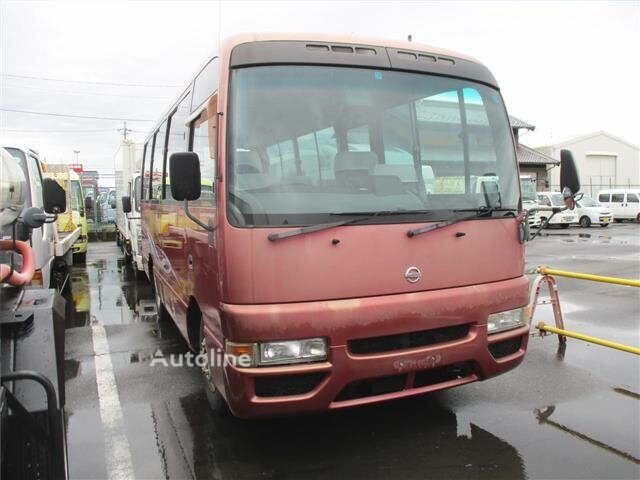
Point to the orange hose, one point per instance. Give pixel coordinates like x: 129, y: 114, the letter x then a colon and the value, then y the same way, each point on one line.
x: 18, y: 278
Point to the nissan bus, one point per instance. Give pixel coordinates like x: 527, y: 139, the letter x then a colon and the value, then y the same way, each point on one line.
x: 346, y: 249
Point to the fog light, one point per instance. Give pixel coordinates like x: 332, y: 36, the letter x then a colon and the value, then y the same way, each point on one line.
x: 502, y: 321
x: 292, y: 351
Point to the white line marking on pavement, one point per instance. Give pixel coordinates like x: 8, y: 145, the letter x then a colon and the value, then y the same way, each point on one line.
x: 117, y: 453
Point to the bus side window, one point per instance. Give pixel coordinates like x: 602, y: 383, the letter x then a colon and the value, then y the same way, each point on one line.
x: 178, y: 132
x: 157, y: 165
x: 203, y: 142
x: 148, y: 158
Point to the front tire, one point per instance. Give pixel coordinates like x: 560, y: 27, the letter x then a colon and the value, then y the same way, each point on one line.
x: 585, y: 222
x: 214, y: 398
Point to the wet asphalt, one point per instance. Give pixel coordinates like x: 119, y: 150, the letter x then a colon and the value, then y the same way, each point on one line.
x: 561, y: 414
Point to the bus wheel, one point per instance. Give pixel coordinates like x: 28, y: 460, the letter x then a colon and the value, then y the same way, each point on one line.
x: 585, y: 222
x: 214, y: 398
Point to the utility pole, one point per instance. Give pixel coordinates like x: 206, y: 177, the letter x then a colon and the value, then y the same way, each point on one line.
x: 124, y: 131
x: 76, y: 152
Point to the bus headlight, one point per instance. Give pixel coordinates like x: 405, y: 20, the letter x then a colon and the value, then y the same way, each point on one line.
x: 502, y: 321
x: 292, y: 351
x: 279, y: 353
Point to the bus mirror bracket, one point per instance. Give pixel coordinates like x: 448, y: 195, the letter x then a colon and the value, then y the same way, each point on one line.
x: 208, y: 227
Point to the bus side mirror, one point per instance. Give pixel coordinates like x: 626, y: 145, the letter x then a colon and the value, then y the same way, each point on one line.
x: 126, y: 204
x: 88, y: 203
x: 55, y: 198
x: 569, y: 178
x: 184, y: 176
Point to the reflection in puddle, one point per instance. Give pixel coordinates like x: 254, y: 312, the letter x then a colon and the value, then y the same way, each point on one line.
x: 397, y: 440
x: 542, y: 415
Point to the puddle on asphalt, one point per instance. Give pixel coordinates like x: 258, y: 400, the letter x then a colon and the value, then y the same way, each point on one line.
x: 106, y: 291
x: 585, y: 238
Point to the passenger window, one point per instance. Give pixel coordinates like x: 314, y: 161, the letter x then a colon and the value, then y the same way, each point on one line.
x: 603, y: 198
x: 309, y: 158
x: 617, y: 197
x: 397, y: 136
x: 632, y: 198
x: 441, y: 140
x: 157, y: 164
x: 358, y: 139
x: 178, y: 141
x: 146, y: 168
x: 327, y: 151
x: 204, y: 144
x: 282, y: 159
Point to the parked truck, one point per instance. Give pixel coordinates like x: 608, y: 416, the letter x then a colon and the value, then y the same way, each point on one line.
x: 31, y: 333
x: 127, y: 211
x: 52, y: 248
x: 74, y: 216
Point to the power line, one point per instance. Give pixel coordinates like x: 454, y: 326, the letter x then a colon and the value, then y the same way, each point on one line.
x: 117, y: 84
x: 65, y: 131
x: 100, y: 94
x: 92, y: 117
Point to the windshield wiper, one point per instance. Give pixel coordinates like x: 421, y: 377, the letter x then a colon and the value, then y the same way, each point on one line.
x: 478, y: 212
x: 361, y: 217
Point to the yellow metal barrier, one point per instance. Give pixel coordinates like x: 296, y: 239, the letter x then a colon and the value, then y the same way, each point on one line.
x: 587, y: 276
x: 598, y: 341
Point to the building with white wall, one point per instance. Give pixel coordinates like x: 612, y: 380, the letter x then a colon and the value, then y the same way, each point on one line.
x: 603, y: 160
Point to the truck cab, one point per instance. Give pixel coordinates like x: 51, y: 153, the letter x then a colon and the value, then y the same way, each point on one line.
x: 42, y: 239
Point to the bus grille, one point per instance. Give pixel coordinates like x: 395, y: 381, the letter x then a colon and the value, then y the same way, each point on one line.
x: 379, y: 386
x: 506, y: 347
x: 402, y: 341
x: 278, y: 386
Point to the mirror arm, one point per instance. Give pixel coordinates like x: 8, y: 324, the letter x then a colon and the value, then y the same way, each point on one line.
x: 208, y: 228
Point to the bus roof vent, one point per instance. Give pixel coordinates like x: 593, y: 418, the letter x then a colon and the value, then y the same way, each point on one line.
x: 426, y: 58
x: 341, y: 49
x: 318, y: 48
x: 407, y: 55
x: 366, y: 51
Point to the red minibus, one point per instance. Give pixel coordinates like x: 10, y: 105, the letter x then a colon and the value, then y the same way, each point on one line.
x: 345, y: 214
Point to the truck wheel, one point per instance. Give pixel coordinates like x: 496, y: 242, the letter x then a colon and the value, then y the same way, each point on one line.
x: 214, y: 398
x: 585, y: 222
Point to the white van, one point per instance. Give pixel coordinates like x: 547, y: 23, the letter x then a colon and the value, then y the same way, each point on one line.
x: 591, y: 212
x: 554, y: 199
x: 623, y: 203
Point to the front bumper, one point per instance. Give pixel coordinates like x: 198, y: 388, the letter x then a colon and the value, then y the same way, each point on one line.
x: 349, y: 379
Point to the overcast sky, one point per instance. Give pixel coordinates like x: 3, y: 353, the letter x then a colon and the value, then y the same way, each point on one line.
x: 570, y: 68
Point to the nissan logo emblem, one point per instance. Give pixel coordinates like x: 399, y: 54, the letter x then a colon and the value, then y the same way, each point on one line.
x: 413, y: 274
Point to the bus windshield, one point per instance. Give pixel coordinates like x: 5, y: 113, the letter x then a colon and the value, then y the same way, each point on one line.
x: 306, y: 142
